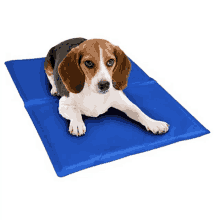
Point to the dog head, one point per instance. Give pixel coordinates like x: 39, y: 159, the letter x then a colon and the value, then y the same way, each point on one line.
x: 98, y: 63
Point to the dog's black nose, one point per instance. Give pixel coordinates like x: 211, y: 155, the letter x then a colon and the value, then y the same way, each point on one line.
x: 103, y: 86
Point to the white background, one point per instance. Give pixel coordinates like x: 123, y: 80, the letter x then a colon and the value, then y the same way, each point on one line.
x: 175, y: 42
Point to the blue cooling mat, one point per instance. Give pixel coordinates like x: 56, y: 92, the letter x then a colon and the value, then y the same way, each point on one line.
x: 110, y: 136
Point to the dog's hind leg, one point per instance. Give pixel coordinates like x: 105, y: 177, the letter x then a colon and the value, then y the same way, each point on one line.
x: 49, y: 72
x: 53, y: 91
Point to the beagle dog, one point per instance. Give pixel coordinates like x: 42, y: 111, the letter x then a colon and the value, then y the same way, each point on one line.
x: 90, y: 76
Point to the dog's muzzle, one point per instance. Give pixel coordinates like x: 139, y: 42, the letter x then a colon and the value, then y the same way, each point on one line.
x: 103, y: 86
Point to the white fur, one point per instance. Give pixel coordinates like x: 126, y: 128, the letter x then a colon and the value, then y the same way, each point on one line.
x: 91, y: 103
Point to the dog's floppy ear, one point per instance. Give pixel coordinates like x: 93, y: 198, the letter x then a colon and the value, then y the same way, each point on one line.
x: 70, y: 72
x: 121, y: 70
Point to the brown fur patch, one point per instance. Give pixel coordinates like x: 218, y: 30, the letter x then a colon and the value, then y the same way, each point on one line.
x: 121, y: 70
x: 71, y: 73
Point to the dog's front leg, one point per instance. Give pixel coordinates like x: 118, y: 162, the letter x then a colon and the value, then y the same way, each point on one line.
x: 122, y: 103
x: 69, y: 111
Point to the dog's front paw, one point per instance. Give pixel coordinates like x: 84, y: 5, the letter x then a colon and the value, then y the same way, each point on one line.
x: 157, y: 127
x: 77, y: 128
x: 53, y: 91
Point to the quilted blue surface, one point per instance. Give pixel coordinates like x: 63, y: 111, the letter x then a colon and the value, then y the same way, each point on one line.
x: 110, y: 136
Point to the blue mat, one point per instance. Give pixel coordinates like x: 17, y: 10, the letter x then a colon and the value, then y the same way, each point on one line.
x: 110, y: 136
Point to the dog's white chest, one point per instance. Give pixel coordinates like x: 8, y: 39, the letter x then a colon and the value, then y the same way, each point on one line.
x: 93, y: 104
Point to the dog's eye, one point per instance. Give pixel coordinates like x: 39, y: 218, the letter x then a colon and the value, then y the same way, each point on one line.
x: 110, y: 62
x: 89, y: 63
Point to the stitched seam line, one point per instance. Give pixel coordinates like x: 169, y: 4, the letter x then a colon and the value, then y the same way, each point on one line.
x: 38, y: 102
